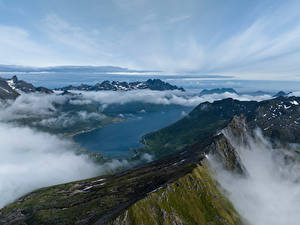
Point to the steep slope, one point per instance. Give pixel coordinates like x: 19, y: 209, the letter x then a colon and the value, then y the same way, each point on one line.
x: 205, y: 120
x: 22, y: 86
x: 6, y: 92
x: 11, y: 88
x: 278, y: 118
x: 192, y: 199
x: 101, y: 199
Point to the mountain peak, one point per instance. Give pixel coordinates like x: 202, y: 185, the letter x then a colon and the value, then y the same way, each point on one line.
x: 217, y: 91
x: 152, y: 84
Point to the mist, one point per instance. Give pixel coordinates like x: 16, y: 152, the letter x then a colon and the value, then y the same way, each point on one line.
x: 161, y: 97
x: 270, y: 191
x: 31, y: 160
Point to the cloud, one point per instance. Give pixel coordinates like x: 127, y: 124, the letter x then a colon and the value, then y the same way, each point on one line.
x: 19, y: 47
x: 30, y: 105
x: 271, y: 187
x: 30, y: 160
x: 74, y: 37
x: 254, y: 40
x: 65, y: 120
x: 46, y: 110
x: 162, y: 97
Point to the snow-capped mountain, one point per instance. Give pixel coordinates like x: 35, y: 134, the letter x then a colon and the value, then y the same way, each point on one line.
x: 152, y: 84
x: 13, y: 87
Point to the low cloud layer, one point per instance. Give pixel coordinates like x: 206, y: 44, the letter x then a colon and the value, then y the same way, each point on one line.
x: 40, y: 105
x: 163, y: 97
x: 30, y: 160
x: 270, y: 194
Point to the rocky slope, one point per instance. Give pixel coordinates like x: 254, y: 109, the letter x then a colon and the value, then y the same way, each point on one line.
x: 152, y: 84
x: 13, y: 87
x: 278, y: 118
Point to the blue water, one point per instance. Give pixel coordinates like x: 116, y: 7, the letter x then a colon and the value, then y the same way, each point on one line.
x: 60, y: 79
x: 116, y: 140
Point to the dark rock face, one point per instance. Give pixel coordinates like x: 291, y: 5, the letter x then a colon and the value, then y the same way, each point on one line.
x: 12, y: 88
x: 152, y: 84
x: 278, y: 118
x: 217, y: 91
x: 44, y: 90
x: 22, y: 86
x: 280, y: 94
x: 6, y: 92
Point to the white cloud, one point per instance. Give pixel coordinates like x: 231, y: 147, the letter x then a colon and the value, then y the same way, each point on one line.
x: 163, y: 97
x: 74, y: 37
x: 271, y: 187
x: 30, y: 105
x: 264, y: 45
x: 30, y: 160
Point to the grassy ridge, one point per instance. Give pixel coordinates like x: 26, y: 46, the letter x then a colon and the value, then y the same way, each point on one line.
x: 193, y: 199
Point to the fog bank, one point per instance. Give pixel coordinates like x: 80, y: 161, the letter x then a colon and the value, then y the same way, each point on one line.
x: 30, y: 160
x: 270, y: 193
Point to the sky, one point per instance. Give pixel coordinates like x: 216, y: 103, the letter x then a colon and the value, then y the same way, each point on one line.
x: 249, y: 39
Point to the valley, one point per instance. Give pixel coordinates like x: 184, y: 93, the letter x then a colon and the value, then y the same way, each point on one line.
x: 158, y: 161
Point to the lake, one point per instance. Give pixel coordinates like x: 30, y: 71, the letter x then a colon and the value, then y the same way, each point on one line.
x: 116, y: 140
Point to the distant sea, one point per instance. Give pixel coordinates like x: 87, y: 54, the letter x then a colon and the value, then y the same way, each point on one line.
x: 192, y: 82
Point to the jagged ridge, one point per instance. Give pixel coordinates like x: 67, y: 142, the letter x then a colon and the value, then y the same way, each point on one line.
x: 152, y: 84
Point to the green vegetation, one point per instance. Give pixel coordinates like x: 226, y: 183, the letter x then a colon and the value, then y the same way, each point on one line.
x: 205, y: 120
x: 193, y: 199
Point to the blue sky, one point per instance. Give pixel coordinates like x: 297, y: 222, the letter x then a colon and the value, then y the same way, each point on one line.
x: 246, y: 38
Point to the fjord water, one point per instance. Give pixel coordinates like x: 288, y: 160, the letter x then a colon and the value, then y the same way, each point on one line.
x: 116, y: 140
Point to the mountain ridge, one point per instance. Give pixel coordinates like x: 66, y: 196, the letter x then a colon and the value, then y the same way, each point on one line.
x: 152, y: 84
x: 13, y: 87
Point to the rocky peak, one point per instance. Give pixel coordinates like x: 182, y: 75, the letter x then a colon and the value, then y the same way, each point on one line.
x: 152, y: 84
x: 22, y: 86
x: 14, y: 79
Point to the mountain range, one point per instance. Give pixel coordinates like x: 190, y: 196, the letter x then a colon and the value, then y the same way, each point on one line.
x: 12, y: 88
x: 151, y: 84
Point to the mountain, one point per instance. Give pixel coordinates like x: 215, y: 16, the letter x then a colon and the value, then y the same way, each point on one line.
x: 22, y: 86
x: 258, y: 93
x: 217, y: 91
x: 152, y: 84
x: 280, y: 93
x: 200, y: 123
x: 178, y: 187
x: 13, y: 87
x: 278, y: 118
x: 6, y: 92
